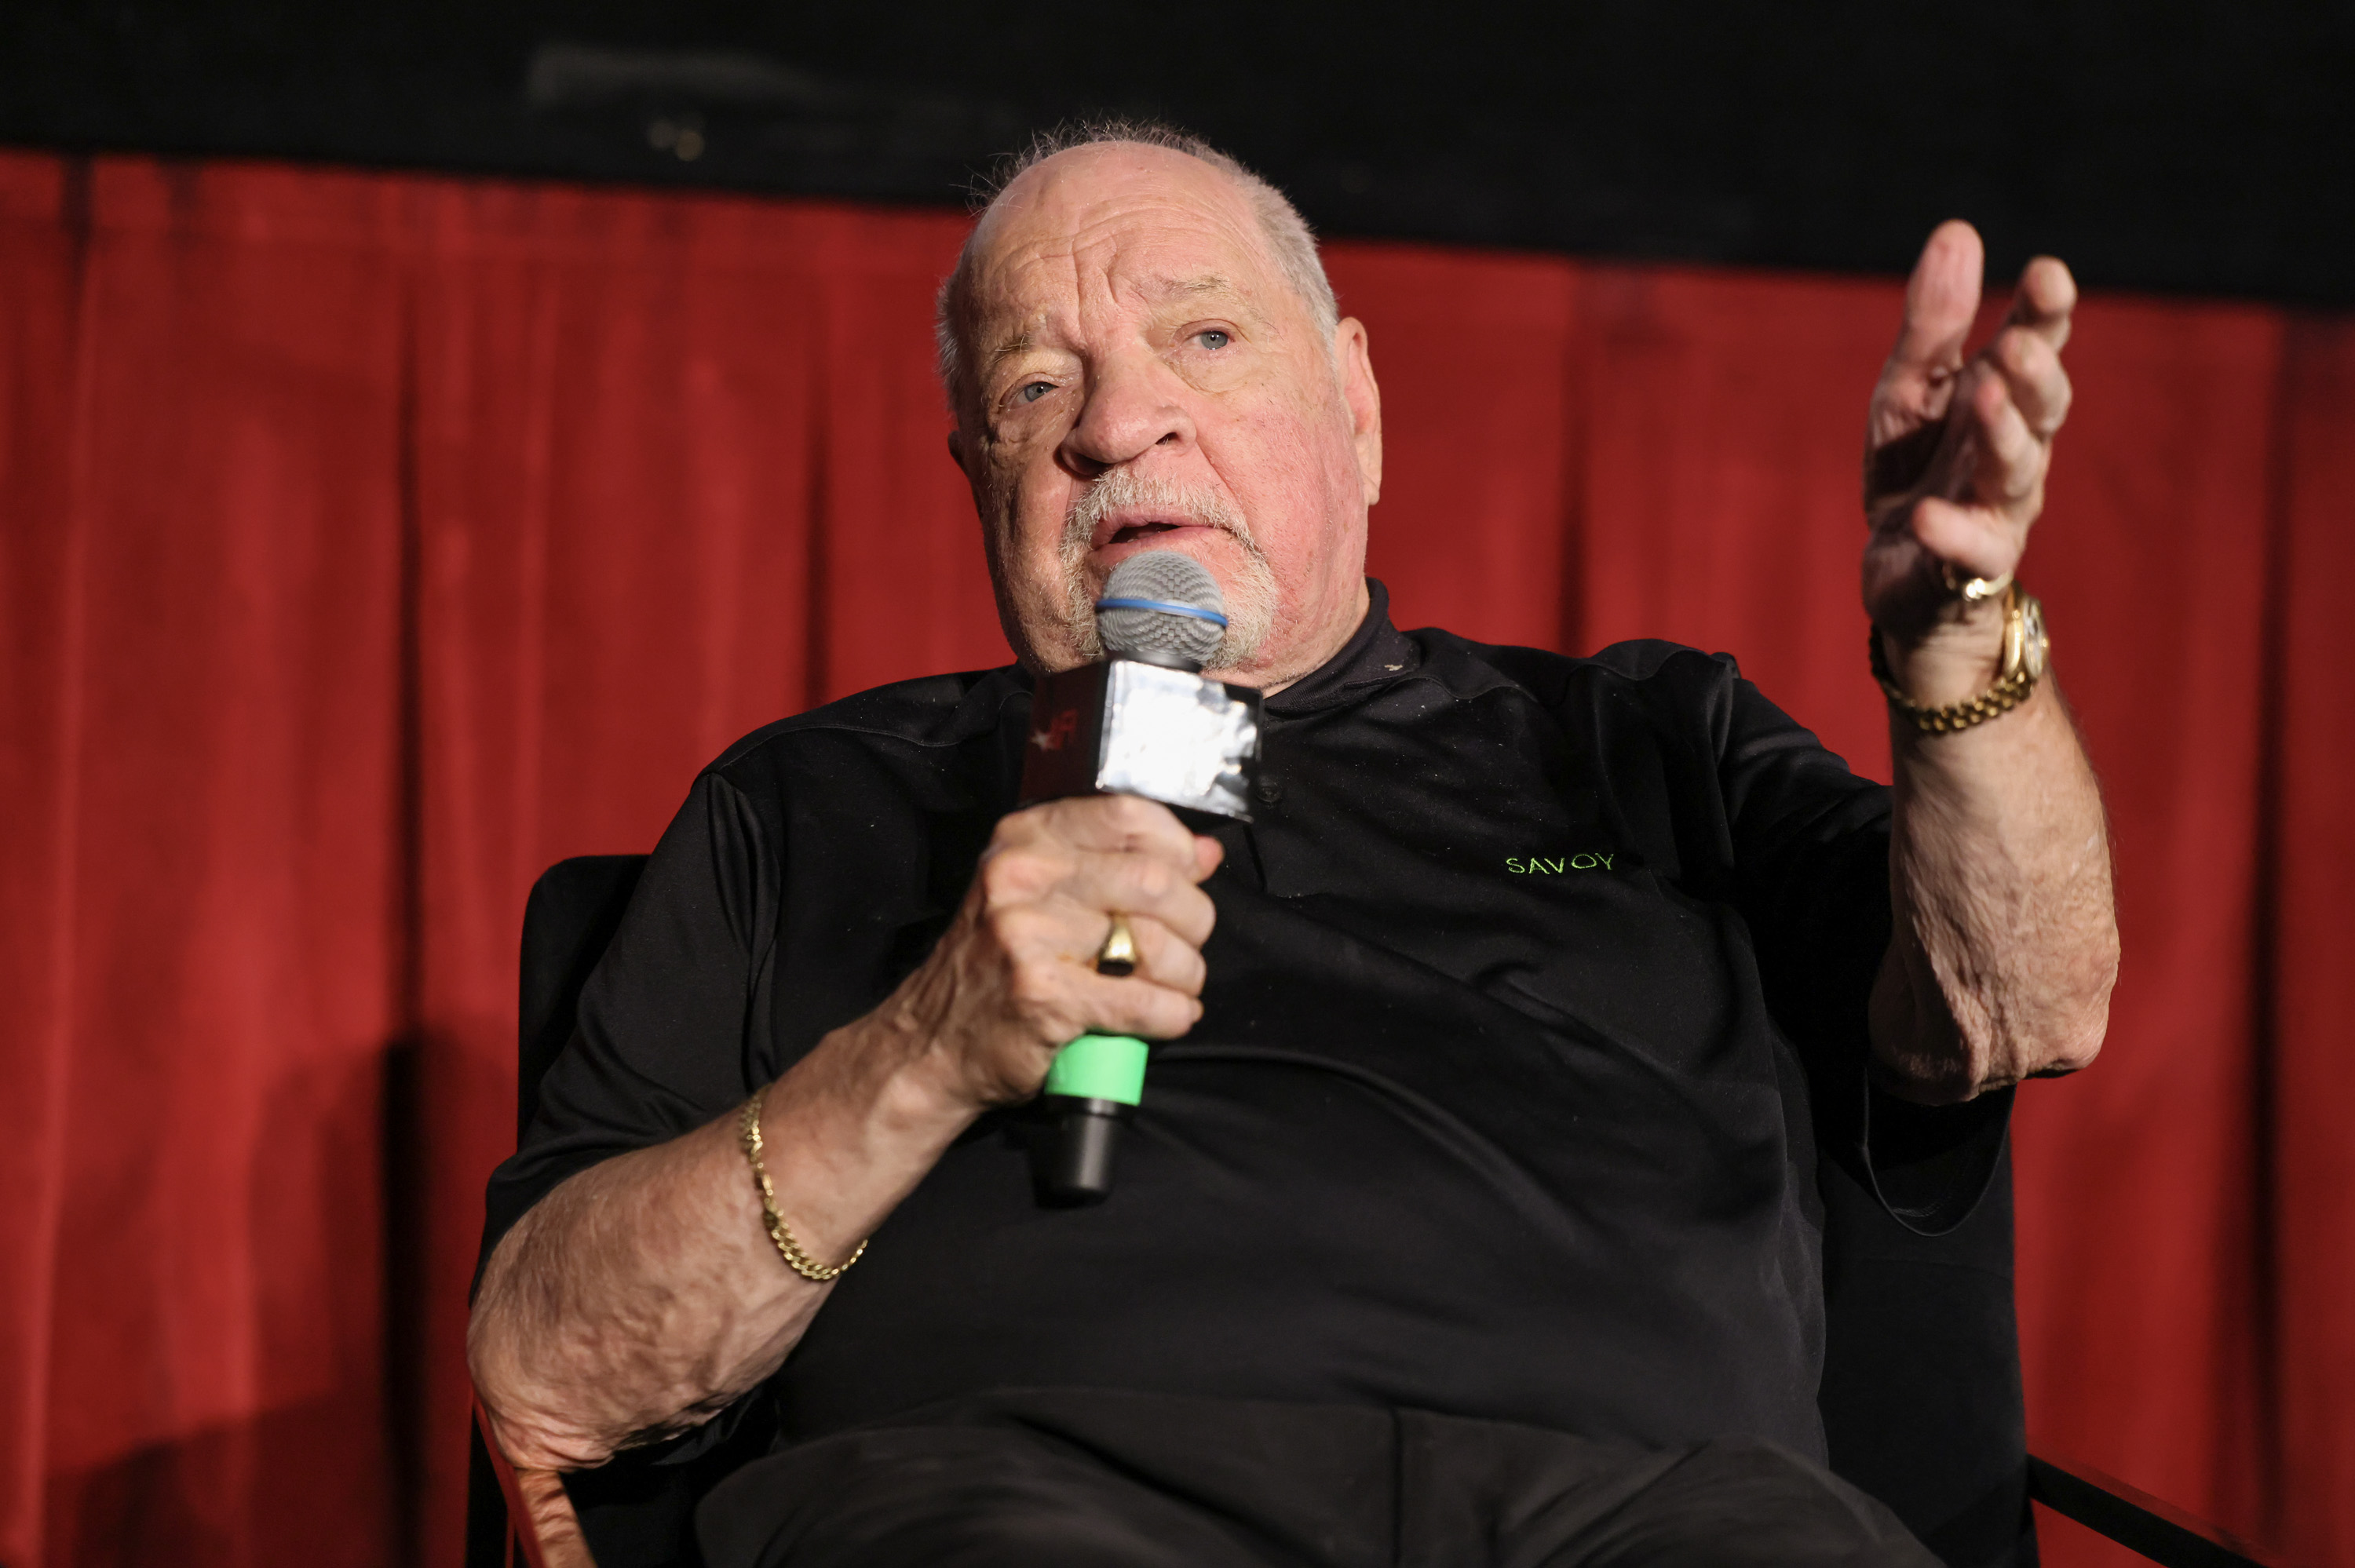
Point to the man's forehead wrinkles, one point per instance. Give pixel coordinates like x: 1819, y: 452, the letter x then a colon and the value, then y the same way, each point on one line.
x: 1159, y: 289
x: 1096, y: 288
x: 1062, y: 284
x: 1024, y: 335
x: 1021, y: 341
x: 1105, y: 237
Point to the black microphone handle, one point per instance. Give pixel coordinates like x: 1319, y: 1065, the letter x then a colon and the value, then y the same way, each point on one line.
x: 1072, y: 1156
x: 1092, y: 1087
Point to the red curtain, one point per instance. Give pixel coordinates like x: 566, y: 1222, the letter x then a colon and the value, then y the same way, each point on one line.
x: 369, y: 541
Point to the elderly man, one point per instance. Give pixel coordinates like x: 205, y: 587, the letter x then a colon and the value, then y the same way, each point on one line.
x: 1471, y: 1216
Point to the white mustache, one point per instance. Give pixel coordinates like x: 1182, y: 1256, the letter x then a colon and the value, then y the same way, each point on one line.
x: 1121, y: 490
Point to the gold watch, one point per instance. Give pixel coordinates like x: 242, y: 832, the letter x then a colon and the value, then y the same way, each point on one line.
x: 2025, y: 652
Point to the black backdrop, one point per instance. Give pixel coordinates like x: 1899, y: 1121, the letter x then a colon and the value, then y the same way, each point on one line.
x: 2193, y: 146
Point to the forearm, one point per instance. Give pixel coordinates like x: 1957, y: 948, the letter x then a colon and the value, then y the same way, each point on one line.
x: 2005, y: 942
x: 642, y: 1295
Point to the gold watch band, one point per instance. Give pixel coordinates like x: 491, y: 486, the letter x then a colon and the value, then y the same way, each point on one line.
x: 2024, y: 646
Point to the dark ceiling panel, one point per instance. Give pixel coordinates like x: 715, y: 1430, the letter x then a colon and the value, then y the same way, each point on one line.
x: 2200, y: 147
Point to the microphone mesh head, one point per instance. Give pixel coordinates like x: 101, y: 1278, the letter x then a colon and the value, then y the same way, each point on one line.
x: 1171, y: 579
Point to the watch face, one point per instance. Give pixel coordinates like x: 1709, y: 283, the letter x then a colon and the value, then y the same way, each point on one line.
x: 2031, y: 626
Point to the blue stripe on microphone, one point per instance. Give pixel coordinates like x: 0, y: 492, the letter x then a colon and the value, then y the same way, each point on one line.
x: 1194, y: 610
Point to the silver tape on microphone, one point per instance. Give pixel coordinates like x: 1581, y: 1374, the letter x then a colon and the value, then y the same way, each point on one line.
x: 1146, y: 721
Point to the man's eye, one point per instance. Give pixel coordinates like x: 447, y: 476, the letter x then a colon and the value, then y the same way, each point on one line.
x: 1213, y: 339
x: 1035, y: 391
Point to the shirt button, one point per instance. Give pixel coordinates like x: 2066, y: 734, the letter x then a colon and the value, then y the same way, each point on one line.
x: 1269, y: 789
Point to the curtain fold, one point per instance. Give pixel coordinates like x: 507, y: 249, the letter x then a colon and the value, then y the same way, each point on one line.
x: 369, y: 541
x: 39, y: 642
x: 221, y: 910
x: 2308, y: 839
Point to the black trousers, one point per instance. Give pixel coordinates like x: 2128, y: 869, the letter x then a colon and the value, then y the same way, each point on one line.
x: 1063, y: 1479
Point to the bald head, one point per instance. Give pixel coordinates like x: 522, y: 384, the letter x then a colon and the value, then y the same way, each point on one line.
x: 1143, y: 354
x: 1283, y: 235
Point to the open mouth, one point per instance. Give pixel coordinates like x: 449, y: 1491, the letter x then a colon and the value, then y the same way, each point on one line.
x: 1146, y: 530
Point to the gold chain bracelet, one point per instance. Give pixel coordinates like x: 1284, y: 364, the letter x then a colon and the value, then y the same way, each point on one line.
x: 800, y: 1262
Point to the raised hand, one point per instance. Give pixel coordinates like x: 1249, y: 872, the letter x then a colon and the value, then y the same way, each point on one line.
x: 1955, y: 455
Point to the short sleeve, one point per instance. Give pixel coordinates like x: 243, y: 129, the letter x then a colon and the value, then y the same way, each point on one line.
x: 663, y: 1041
x: 1811, y: 855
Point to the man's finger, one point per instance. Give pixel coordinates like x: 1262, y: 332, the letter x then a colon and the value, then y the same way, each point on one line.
x: 1167, y: 959
x: 1208, y: 852
x: 2030, y: 367
x: 1067, y: 933
x: 2046, y: 297
x: 1142, y: 885
x: 1941, y: 299
x: 2011, y: 464
x: 1133, y: 1006
x: 1971, y: 540
x: 1121, y: 822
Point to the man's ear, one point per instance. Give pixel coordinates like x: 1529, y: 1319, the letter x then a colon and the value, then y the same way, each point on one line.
x: 1354, y: 364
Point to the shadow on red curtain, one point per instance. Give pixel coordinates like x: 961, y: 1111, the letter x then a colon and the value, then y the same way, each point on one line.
x: 369, y: 541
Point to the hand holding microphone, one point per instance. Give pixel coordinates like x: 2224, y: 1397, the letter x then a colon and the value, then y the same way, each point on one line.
x: 1147, y: 722
x: 1014, y: 978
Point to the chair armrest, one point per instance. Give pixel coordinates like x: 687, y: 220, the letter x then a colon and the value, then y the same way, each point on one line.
x: 542, y: 1529
x: 2134, y: 1518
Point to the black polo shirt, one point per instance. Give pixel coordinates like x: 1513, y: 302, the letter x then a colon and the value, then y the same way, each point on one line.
x: 1532, y: 980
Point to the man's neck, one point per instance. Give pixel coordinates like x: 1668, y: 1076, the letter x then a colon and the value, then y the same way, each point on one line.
x: 1295, y: 658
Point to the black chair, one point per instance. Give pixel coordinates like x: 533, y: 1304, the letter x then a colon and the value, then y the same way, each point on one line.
x: 1921, y: 1396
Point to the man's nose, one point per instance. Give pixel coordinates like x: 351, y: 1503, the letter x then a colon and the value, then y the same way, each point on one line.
x: 1131, y: 408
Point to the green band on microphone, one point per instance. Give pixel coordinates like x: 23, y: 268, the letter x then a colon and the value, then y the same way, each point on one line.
x: 1100, y: 1068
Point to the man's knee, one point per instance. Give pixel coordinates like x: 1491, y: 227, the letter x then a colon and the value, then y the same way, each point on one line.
x: 949, y: 1499
x: 1740, y: 1501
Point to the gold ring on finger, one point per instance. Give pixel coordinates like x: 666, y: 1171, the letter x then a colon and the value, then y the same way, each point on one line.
x: 1118, y: 955
x: 1974, y: 591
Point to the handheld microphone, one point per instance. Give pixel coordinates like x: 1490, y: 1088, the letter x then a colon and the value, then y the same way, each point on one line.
x: 1146, y: 722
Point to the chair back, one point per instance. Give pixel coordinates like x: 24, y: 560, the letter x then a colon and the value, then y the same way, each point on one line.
x: 1921, y: 1397
x: 567, y: 921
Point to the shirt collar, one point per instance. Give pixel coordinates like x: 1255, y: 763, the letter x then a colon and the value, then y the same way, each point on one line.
x: 1375, y: 654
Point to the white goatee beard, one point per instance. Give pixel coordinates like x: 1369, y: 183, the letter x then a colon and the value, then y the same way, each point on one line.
x: 1251, y: 601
